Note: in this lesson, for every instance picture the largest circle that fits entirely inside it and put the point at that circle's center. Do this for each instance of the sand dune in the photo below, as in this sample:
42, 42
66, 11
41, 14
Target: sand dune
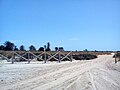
96, 74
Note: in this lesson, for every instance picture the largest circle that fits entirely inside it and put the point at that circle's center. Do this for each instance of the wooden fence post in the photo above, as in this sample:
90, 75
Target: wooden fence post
28, 57
59, 56
71, 58
12, 57
115, 58
45, 58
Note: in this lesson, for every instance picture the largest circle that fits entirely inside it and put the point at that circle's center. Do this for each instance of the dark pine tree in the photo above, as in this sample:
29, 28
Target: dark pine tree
48, 47
41, 49
32, 48
9, 46
22, 48
61, 49
56, 48
2, 47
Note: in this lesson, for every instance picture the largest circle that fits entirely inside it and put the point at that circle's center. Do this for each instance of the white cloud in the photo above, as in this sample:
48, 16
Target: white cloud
74, 39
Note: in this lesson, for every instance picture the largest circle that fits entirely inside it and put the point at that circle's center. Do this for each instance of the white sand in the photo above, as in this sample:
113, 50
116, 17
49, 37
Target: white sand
97, 74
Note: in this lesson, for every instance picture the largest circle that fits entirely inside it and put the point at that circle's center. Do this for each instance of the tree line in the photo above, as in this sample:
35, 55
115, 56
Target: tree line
9, 46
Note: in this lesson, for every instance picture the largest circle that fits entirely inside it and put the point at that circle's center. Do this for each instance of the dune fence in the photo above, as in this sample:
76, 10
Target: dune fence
28, 56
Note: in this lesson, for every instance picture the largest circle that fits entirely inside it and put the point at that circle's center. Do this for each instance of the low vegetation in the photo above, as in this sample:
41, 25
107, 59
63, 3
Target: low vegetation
117, 55
84, 57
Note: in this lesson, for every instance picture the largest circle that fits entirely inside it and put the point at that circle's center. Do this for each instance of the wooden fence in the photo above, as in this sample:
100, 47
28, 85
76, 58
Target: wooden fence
28, 56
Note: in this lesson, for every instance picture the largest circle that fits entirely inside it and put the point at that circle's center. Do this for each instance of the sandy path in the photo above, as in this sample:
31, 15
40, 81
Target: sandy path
95, 74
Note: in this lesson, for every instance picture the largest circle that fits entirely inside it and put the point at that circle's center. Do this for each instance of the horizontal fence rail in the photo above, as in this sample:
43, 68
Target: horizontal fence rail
28, 56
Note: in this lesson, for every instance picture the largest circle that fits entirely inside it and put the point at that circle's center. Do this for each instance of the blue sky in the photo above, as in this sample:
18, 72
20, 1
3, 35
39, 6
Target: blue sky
73, 24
